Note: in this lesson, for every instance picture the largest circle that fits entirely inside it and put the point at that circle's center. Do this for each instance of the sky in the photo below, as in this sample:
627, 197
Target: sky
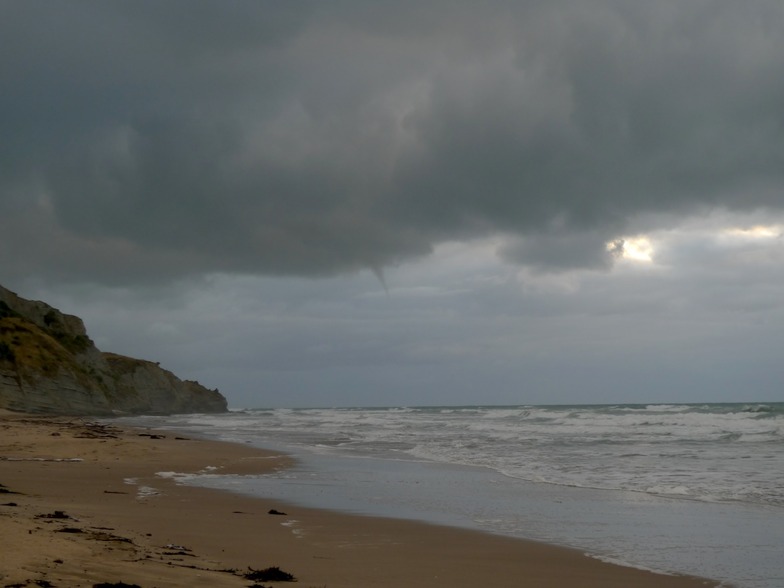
386, 203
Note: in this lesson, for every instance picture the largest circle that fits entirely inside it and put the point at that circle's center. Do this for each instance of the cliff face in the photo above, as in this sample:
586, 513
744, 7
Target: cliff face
48, 364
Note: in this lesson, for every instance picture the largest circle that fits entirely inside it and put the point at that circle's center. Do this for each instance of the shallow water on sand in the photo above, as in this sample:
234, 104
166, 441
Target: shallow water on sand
738, 542
740, 545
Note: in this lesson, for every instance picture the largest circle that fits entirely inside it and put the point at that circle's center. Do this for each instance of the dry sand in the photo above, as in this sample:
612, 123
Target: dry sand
82, 505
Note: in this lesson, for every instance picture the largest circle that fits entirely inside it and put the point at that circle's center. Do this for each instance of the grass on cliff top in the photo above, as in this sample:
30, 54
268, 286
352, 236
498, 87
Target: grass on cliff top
123, 363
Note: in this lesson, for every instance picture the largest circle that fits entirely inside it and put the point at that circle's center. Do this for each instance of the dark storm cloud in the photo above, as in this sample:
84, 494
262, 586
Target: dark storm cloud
150, 139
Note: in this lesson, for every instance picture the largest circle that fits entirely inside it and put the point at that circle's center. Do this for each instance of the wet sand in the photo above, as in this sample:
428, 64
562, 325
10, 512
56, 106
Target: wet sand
81, 504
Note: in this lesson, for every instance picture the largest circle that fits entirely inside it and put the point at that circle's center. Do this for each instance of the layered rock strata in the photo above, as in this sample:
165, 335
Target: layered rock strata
48, 364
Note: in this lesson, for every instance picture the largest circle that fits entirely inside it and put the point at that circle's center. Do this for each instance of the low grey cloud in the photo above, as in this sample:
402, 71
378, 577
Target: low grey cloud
151, 141
699, 322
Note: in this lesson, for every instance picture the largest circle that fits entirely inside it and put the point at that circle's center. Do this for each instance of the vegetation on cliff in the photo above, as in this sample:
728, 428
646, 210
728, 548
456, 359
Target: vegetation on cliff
48, 364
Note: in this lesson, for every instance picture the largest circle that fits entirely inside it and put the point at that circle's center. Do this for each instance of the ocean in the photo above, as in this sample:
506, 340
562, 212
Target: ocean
688, 488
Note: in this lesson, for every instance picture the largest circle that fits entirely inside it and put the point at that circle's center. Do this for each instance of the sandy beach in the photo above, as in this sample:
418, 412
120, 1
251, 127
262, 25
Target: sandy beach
82, 504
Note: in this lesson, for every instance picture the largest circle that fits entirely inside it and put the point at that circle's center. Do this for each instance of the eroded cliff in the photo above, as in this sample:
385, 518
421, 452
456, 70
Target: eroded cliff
48, 364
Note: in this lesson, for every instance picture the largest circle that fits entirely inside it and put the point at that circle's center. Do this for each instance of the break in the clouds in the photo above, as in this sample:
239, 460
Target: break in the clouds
156, 140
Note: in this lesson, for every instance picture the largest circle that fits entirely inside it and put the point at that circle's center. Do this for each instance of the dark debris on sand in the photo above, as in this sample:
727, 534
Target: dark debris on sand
115, 585
58, 514
273, 574
90, 430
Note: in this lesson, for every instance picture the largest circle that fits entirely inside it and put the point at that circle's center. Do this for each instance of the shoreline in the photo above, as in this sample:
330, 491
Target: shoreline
128, 524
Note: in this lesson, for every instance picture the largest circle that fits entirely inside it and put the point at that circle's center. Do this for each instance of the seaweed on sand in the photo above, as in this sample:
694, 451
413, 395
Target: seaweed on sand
5, 490
58, 514
273, 574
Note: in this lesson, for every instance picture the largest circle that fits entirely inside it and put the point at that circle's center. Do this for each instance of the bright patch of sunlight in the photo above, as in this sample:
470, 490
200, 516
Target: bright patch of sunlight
639, 249
756, 232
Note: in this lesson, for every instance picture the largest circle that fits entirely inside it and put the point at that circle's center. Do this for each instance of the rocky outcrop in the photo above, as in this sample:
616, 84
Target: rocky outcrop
48, 364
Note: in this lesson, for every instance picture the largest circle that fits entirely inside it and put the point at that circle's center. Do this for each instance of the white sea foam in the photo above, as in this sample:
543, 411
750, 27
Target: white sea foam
620, 562
292, 524
703, 452
142, 492
178, 477
169, 475
146, 492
